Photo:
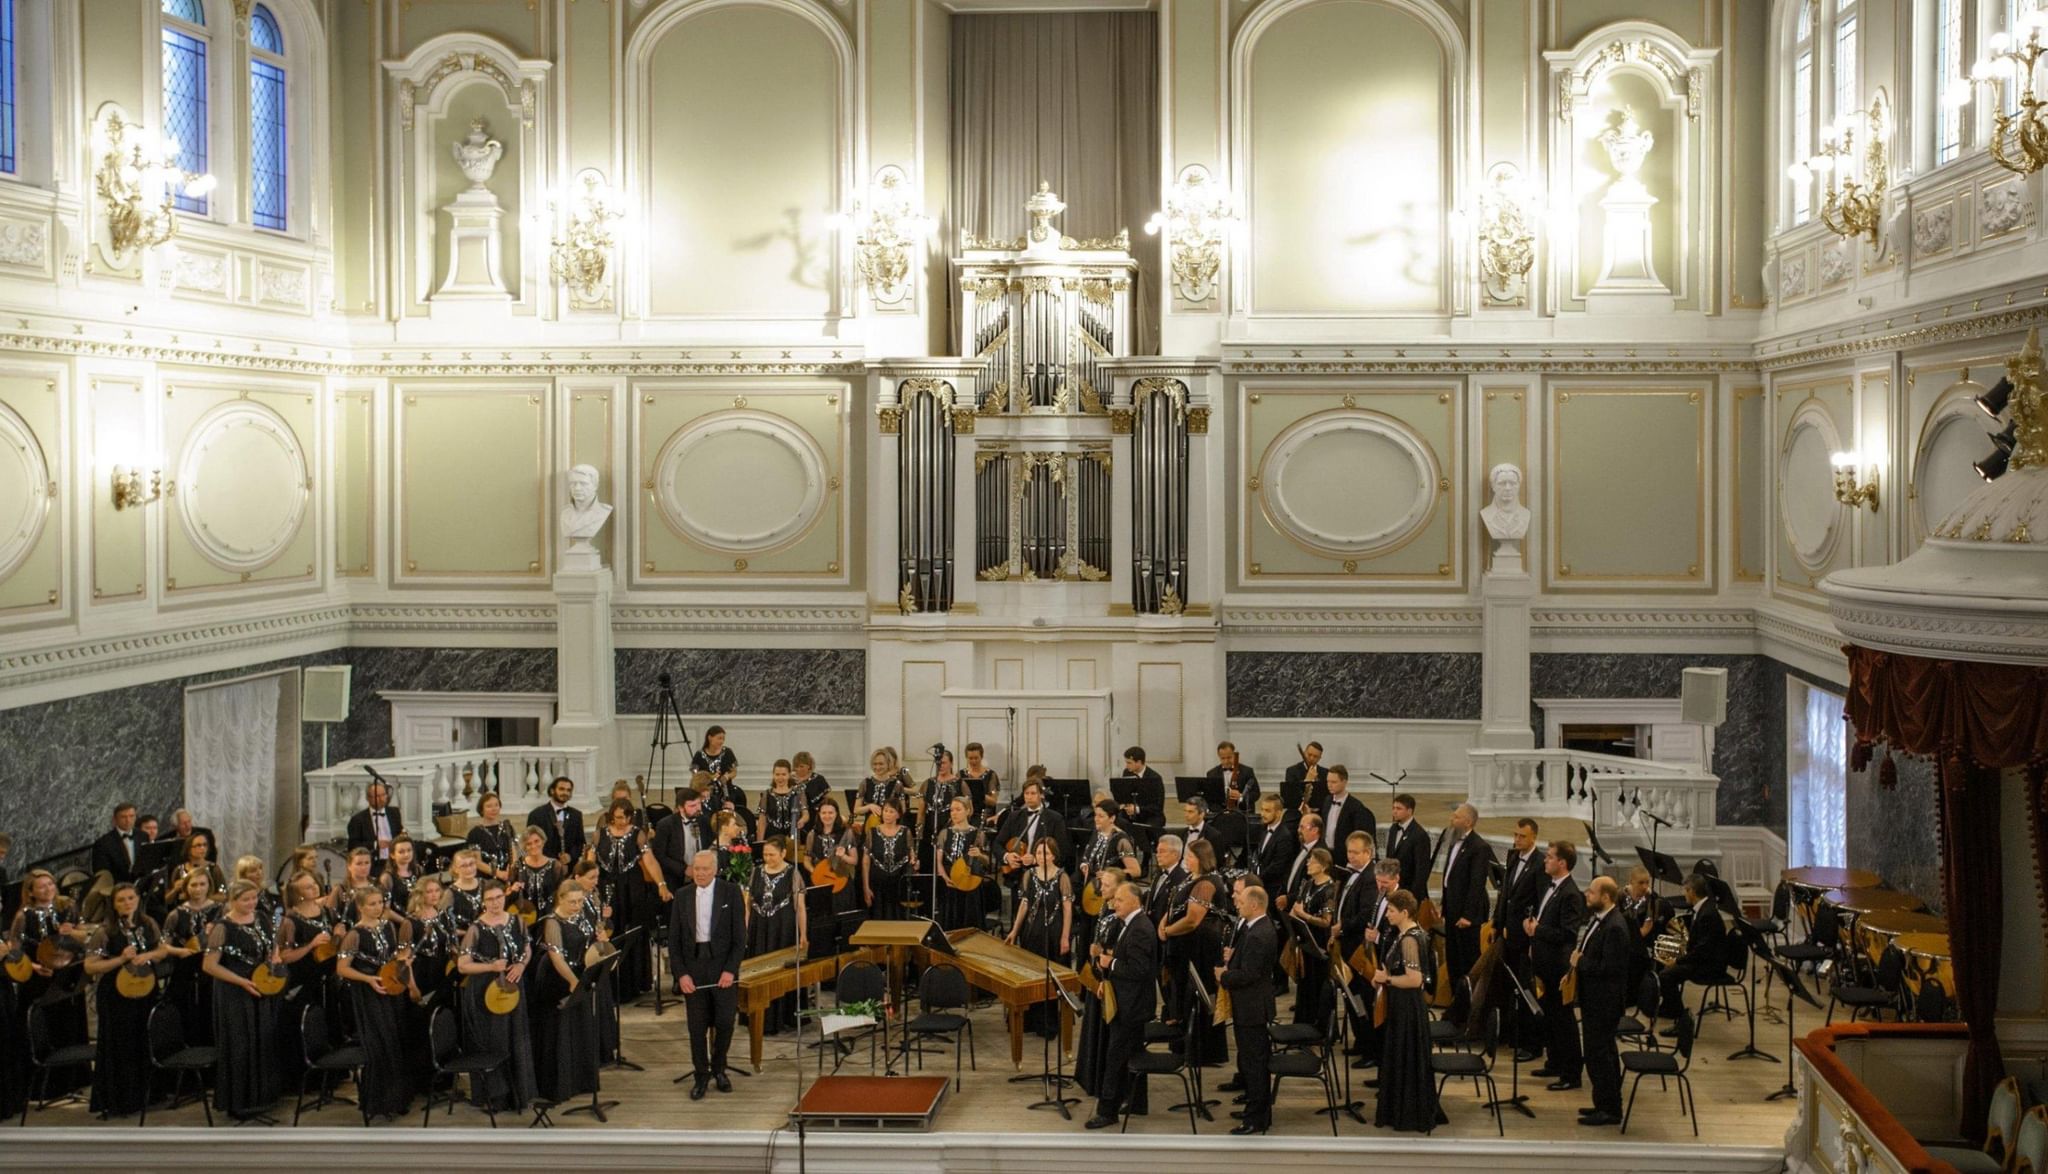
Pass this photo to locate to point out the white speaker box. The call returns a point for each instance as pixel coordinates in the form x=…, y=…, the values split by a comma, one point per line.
x=1703, y=696
x=323, y=696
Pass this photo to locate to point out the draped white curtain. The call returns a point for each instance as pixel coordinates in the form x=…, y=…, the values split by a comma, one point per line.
x=231, y=762
x=1818, y=820
x=1070, y=98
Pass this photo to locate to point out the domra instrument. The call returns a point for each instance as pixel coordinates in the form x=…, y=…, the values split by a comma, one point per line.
x=137, y=980
x=501, y=997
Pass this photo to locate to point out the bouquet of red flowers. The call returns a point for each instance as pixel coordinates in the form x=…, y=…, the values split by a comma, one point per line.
x=739, y=864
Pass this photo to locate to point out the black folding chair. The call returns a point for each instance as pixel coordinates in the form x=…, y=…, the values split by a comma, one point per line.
x=44, y=1059
x=1933, y=1004
x=168, y=1052
x=1674, y=1063
x=1884, y=993
x=860, y=982
x=1146, y=1063
x=1642, y=1027
x=1476, y=1067
x=1311, y=1061
x=323, y=1060
x=942, y=998
x=450, y=1061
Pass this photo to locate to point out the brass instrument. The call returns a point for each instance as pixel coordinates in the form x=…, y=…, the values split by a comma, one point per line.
x=1670, y=945
x=1224, y=1011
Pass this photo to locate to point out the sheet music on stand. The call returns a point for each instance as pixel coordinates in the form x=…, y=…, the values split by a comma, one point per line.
x=1201, y=992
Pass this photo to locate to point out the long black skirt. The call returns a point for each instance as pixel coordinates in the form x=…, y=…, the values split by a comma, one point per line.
x=63, y=1010
x=246, y=1079
x=1088, y=1050
x=511, y=1087
x=961, y=910
x=191, y=992
x=565, y=1040
x=635, y=903
x=1407, y=1088
x=14, y=1070
x=889, y=892
x=120, y=1074
x=386, y=1087
x=1044, y=941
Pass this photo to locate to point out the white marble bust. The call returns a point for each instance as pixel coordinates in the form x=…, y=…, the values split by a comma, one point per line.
x=581, y=519
x=1506, y=518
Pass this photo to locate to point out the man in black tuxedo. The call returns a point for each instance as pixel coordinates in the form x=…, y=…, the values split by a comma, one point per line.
x=1408, y=843
x=1706, y=949
x=115, y=852
x=1514, y=897
x=1133, y=970
x=1026, y=825
x=1602, y=960
x=678, y=838
x=377, y=825
x=1238, y=780
x=1303, y=788
x=707, y=937
x=1344, y=814
x=1467, y=859
x=561, y=823
x=1195, y=814
x=1148, y=813
x=1553, y=934
x=1356, y=903
x=1308, y=836
x=1247, y=973
x=1271, y=847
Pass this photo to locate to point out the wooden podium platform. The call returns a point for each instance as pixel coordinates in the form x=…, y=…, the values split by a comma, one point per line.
x=873, y=1102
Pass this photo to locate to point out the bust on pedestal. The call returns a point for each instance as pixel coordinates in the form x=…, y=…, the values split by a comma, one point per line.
x=1627, y=242
x=585, y=694
x=581, y=519
x=1504, y=687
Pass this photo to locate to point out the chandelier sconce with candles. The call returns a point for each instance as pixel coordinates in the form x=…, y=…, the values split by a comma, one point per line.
x=136, y=180
x=1197, y=217
x=887, y=227
x=579, y=254
x=1857, y=178
x=1848, y=490
x=2019, y=136
x=1509, y=211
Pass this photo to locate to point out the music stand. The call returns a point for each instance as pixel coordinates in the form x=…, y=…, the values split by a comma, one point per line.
x=935, y=939
x=1662, y=868
x=1601, y=855
x=1052, y=1059
x=583, y=1001
x=1186, y=787
x=1753, y=943
x=623, y=942
x=1207, y=1004
x=1352, y=1008
x=817, y=903
x=1788, y=973
x=1518, y=999
x=1071, y=798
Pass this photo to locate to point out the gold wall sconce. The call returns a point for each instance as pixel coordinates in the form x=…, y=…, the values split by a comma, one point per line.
x=887, y=226
x=586, y=232
x=1196, y=219
x=1509, y=211
x=2019, y=136
x=1856, y=183
x=1848, y=490
x=135, y=486
x=136, y=181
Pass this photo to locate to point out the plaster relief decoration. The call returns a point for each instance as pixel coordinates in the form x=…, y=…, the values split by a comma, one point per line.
x=2004, y=208
x=1934, y=230
x=1791, y=277
x=1834, y=263
x=474, y=222
x=242, y=486
x=26, y=491
x=1388, y=471
x=581, y=519
x=205, y=273
x=783, y=470
x=24, y=243
x=1627, y=244
x=1806, y=495
x=278, y=285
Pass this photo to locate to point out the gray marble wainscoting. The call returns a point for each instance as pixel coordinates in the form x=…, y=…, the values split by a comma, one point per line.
x=1896, y=832
x=1749, y=748
x=794, y=681
x=1388, y=685
x=367, y=733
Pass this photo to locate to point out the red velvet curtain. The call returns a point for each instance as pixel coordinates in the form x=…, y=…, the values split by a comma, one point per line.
x=1975, y=720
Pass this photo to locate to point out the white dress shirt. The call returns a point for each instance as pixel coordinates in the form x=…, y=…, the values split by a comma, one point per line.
x=704, y=895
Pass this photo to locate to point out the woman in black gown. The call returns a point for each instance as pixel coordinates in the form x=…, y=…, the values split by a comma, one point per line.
x=886, y=865
x=565, y=1039
x=622, y=848
x=378, y=937
x=47, y=917
x=307, y=940
x=1088, y=1057
x=1045, y=922
x=494, y=948
x=341, y=899
x=1195, y=925
x=960, y=842
x=831, y=839
x=492, y=838
x=533, y=878
x=777, y=922
x=130, y=940
x=782, y=805
x=185, y=929
x=400, y=873
x=435, y=938
x=1407, y=1088
x=198, y=858
x=247, y=1078
x=465, y=892
x=1314, y=904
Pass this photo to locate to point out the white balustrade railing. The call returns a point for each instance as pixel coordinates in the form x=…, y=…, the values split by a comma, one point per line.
x=1605, y=789
x=520, y=774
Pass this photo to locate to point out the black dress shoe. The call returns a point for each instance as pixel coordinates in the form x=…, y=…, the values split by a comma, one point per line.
x=1562, y=1085
x=697, y=1091
x=1525, y=1055
x=1364, y=1065
x=1231, y=1086
x=1372, y=1083
x=1100, y=1122
x=1546, y=1070
x=723, y=1082
x=1241, y=1098
x=1246, y=1127
x=1600, y=1119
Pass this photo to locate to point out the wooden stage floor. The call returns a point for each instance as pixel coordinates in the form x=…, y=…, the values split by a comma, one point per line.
x=1731, y=1095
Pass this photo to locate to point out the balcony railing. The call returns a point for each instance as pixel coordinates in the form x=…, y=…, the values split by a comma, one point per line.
x=520, y=774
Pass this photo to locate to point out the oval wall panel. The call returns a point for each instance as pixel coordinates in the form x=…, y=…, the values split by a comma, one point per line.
x=740, y=482
x=242, y=486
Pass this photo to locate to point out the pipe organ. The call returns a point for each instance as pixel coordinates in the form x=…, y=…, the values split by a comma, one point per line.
x=1159, y=495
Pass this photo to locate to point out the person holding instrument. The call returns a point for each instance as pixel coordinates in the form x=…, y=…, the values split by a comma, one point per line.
x=1044, y=923
x=185, y=929
x=886, y=780
x=1313, y=907
x=1131, y=968
x=1240, y=782
x=400, y=873
x=963, y=865
x=1192, y=937
x=1110, y=847
x=714, y=771
x=465, y=893
x=1407, y=1100
x=199, y=859
x=832, y=840
x=492, y=837
x=803, y=774
x=127, y=945
x=533, y=878
x=566, y=1041
x=624, y=861
x=496, y=951
x=1099, y=930
x=1601, y=960
x=1247, y=973
x=1303, y=786
x=307, y=939
x=341, y=899
x=886, y=864
x=1553, y=928
x=247, y=1077
x=378, y=940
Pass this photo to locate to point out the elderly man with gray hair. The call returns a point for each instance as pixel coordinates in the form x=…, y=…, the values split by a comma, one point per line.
x=707, y=937
x=1467, y=861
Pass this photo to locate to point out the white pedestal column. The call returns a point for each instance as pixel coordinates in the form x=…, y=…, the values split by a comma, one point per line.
x=1504, y=693
x=474, y=269
x=1627, y=242
x=585, y=693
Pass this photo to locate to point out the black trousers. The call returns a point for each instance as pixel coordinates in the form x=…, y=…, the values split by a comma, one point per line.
x=1603, y=1061
x=1124, y=1036
x=1461, y=953
x=1254, y=1071
x=710, y=1013
x=1561, y=1029
x=1672, y=985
